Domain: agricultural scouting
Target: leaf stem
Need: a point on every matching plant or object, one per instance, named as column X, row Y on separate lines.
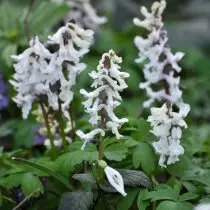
column 49, row 133
column 62, row 128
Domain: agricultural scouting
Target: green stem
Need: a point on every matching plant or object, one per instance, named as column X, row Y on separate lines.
column 62, row 128
column 72, row 122
column 100, row 145
column 154, row 183
column 49, row 133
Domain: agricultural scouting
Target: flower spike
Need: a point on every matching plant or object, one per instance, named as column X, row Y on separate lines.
column 108, row 82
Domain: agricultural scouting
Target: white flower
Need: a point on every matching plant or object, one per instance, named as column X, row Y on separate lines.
column 29, row 79
column 108, row 83
column 115, row 179
column 73, row 42
column 166, row 126
column 84, row 14
column 89, row 136
column 153, row 18
column 161, row 63
column 161, row 84
column 202, row 206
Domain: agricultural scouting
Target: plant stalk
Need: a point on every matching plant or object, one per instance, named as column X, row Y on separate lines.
column 62, row 128
column 100, row 145
column 72, row 122
column 49, row 133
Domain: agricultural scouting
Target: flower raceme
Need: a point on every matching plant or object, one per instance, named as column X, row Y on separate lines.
column 161, row 64
column 161, row 84
column 38, row 72
column 101, row 102
column 114, row 177
column 29, row 79
column 83, row 13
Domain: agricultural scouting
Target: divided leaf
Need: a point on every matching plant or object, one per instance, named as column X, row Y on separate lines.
column 31, row 184
column 144, row 156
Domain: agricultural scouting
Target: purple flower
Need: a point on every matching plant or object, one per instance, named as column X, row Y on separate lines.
column 39, row 138
column 4, row 100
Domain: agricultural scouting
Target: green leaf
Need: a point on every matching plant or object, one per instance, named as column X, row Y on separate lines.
column 142, row 204
column 130, row 142
column 134, row 178
column 168, row 205
column 144, row 156
column 190, row 187
column 7, row 52
column 171, row 205
column 23, row 132
column 31, row 184
column 52, row 173
column 76, row 201
column 116, row 152
column 143, row 128
column 127, row 201
column 162, row 192
column 68, row 161
column 180, row 168
column 188, row 196
column 13, row 180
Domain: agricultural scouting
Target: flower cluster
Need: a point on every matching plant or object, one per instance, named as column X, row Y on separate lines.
column 82, row 12
column 38, row 72
column 167, row 126
column 101, row 102
column 162, row 84
column 161, row 64
column 3, row 93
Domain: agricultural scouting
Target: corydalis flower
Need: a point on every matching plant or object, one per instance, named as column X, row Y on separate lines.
column 29, row 79
column 41, row 73
column 166, row 125
column 108, row 83
column 89, row 136
column 65, row 66
column 84, row 14
column 114, row 177
column 161, row 64
column 3, row 93
column 161, row 84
